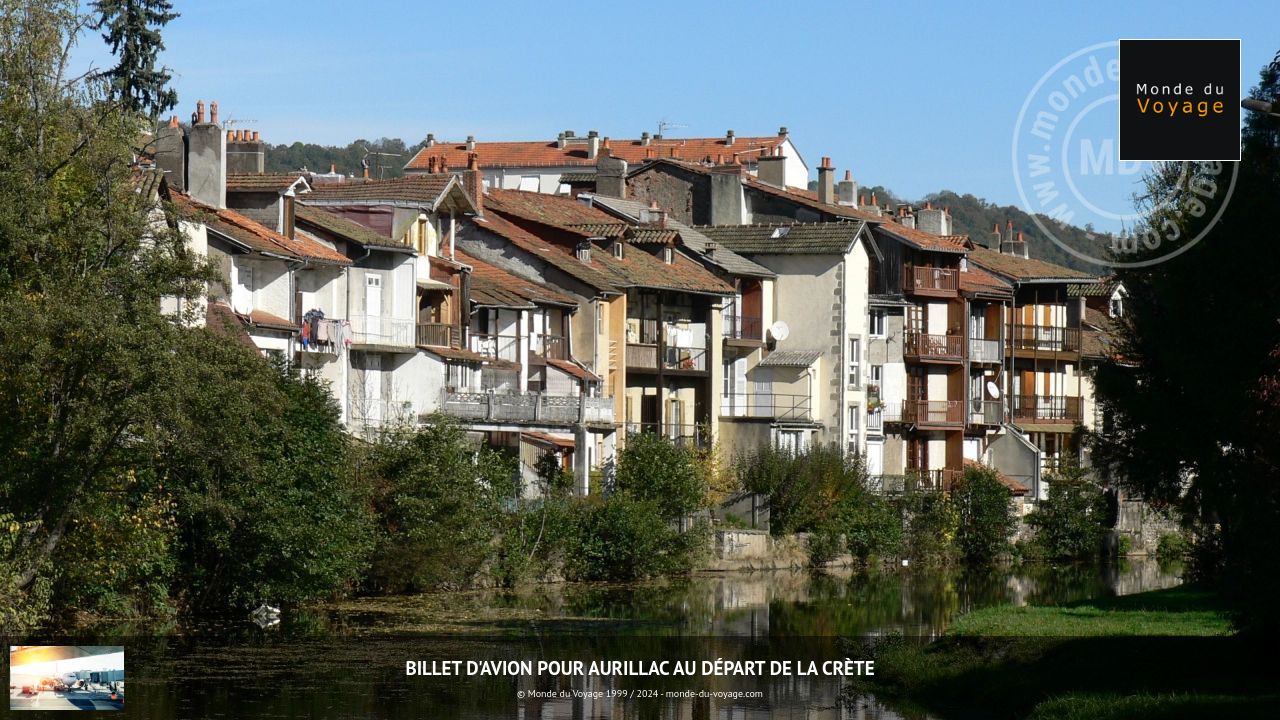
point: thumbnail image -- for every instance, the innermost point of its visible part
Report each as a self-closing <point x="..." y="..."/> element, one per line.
<point x="66" y="677"/>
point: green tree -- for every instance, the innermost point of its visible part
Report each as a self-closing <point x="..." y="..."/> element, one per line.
<point x="986" y="519"/>
<point x="439" y="503"/>
<point x="1198" y="340"/>
<point x="133" y="33"/>
<point x="1070" y="523"/>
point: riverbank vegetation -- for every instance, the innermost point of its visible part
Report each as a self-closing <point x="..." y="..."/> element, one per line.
<point x="1167" y="654"/>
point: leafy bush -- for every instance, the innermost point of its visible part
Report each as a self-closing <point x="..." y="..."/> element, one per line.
<point x="875" y="528"/>
<point x="1070" y="523"/>
<point x="985" y="519"/>
<point x="626" y="538"/>
<point x="931" y="527"/>
<point x="439" y="505"/>
<point x="810" y="491"/>
<point x="1172" y="547"/>
<point x="653" y="469"/>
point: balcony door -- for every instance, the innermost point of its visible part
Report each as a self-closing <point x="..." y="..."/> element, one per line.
<point x="373" y="304"/>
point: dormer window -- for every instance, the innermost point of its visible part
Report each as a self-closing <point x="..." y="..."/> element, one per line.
<point x="668" y="255"/>
<point x="584" y="252"/>
<point x="617" y="250"/>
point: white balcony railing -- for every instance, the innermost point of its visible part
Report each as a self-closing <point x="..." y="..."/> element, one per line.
<point x="378" y="330"/>
<point x="371" y="414"/>
<point x="984" y="351"/>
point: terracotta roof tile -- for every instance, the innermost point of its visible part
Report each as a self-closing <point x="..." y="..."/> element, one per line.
<point x="493" y="286"/>
<point x="977" y="280"/>
<point x="222" y="320"/>
<point x="268" y="320"/>
<point x="255" y="236"/>
<point x="342" y="227"/>
<point x="548" y="154"/>
<point x="923" y="240"/>
<point x="786" y="239"/>
<point x="573" y="369"/>
<point x="262" y="182"/>
<point x="557" y="211"/>
<point x="1020" y="268"/>
<point x="1014" y="486"/>
<point x="551" y="253"/>
<point x="412" y="189"/>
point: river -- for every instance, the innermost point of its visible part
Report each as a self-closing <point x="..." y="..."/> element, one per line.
<point x="349" y="660"/>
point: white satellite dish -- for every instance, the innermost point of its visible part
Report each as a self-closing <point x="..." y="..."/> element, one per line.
<point x="993" y="390"/>
<point x="779" y="331"/>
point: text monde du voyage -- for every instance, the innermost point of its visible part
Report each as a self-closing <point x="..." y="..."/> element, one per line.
<point x="1180" y="99"/>
<point x="638" y="668"/>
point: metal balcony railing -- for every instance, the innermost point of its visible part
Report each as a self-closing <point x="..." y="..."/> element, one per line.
<point x="778" y="406"/>
<point x="986" y="412"/>
<point x="684" y="435"/>
<point x="378" y="330"/>
<point x="498" y="347"/>
<point x="984" y="351"/>
<point x="530" y="408"/>
<point x="744" y="327"/>
<point x="1045" y="408"/>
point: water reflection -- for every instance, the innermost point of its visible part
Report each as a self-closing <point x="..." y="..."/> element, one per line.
<point x="351" y="665"/>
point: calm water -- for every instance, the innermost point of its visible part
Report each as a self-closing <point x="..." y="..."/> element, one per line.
<point x="349" y="663"/>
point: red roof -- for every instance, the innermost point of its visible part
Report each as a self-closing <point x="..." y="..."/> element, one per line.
<point x="268" y="320"/>
<point x="924" y="240"/>
<point x="977" y="280"/>
<point x="573" y="369"/>
<point x="548" y="154"/>
<point x="1014" y="486"/>
<point x="494" y="286"/>
<point x="255" y="236"/>
<point x="556" y="210"/>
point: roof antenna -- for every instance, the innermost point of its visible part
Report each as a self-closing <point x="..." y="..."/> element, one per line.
<point x="664" y="125"/>
<point x="364" y="161"/>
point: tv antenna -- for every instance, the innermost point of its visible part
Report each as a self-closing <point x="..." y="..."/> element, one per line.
<point x="664" y="125"/>
<point x="364" y="161"/>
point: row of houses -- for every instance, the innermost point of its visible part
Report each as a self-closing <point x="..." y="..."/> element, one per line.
<point x="559" y="296"/>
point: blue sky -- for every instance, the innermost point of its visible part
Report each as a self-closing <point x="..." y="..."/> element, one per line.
<point x="914" y="96"/>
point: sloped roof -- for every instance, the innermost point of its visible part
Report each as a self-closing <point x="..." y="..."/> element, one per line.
<point x="1103" y="288"/>
<point x="553" y="254"/>
<point x="222" y="320"/>
<point x="925" y="241"/>
<point x="811" y="201"/>
<point x="635" y="269"/>
<point x="255" y="236"/>
<point x="1097" y="339"/>
<point x="832" y="238"/>
<point x="1014" y="486"/>
<point x="346" y="229"/>
<point x="1020" y="268"/>
<point x="791" y="358"/>
<point x="262" y="182"/>
<point x="977" y="280"/>
<point x="495" y="287"/>
<point x="556" y="211"/>
<point x="690" y="237"/>
<point x="548" y="154"/>
<point x="573" y="369"/>
<point x="425" y="189"/>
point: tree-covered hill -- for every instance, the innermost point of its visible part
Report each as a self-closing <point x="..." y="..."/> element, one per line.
<point x="386" y="157"/>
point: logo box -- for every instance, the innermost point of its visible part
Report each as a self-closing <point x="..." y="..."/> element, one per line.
<point x="1180" y="100"/>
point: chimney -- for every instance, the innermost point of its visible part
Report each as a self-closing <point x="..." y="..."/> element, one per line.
<point x="847" y="190"/>
<point x="726" y="198"/>
<point x="728" y="139"/>
<point x="431" y="140"/>
<point x="473" y="182"/>
<point x="772" y="168"/>
<point x="213" y="112"/>
<point x="611" y="175"/>
<point x="645" y="140"/>
<point x="471" y="143"/>
<point x="171" y="154"/>
<point x="561" y="140"/>
<point x="826" y="181"/>
<point x="593" y="144"/>
<point x="246" y="153"/>
<point x="933" y="221"/>
<point x="207" y="161"/>
<point x="1013" y="243"/>
<point x="782" y="131"/>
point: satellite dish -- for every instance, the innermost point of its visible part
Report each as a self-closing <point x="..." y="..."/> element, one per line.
<point x="779" y="331"/>
<point x="993" y="390"/>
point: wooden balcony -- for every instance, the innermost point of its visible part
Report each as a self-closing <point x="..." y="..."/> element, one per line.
<point x="931" y="281"/>
<point x="939" y="414"/>
<point x="1043" y="341"/>
<point x="643" y="357"/>
<point x="547" y="347"/>
<point x="934" y="348"/>
<point x="1054" y="409"/>
<point x="437" y="335"/>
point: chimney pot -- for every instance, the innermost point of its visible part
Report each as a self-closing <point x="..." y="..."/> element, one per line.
<point x="255" y="136"/>
<point x="848" y="175"/>
<point x="782" y="131"/>
<point x="728" y="138"/>
<point x="593" y="133"/>
<point x="231" y="135"/>
<point x="200" y="111"/>
<point x="431" y="140"/>
<point x="333" y="168"/>
<point x="213" y="112"/>
<point x="173" y="121"/>
<point x="471" y="143"/>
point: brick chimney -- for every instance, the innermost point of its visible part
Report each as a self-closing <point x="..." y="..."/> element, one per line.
<point x="826" y="181"/>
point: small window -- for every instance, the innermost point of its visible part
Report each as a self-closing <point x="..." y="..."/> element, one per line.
<point x="855" y="420"/>
<point x="877" y="374"/>
<point x="617" y="250"/>
<point x="875" y="323"/>
<point x="855" y="362"/>
<point x="529" y="183"/>
<point x="668" y="255"/>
